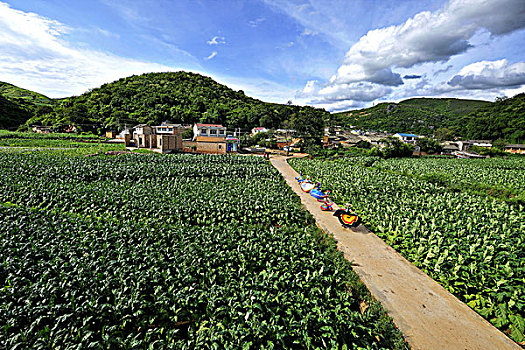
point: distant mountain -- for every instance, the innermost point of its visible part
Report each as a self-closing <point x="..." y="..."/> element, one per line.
<point x="416" y="115"/>
<point x="180" y="97"/>
<point x="17" y="105"/>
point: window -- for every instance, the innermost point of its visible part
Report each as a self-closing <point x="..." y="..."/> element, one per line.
<point x="220" y="146"/>
<point x="203" y="132"/>
<point x="221" y="132"/>
<point x="213" y="132"/>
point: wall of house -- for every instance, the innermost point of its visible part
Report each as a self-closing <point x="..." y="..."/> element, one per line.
<point x="211" y="147"/>
<point x="210" y="139"/>
<point x="189" y="146"/>
<point x="145" y="141"/>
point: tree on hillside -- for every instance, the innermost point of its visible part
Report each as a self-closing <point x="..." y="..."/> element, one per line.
<point x="308" y="124"/>
<point x="444" y="134"/>
<point x="429" y="146"/>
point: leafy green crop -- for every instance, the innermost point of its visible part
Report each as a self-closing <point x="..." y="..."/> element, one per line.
<point x="472" y="245"/>
<point x="179" y="251"/>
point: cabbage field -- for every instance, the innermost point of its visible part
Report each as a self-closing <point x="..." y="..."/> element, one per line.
<point x="178" y="251"/>
<point x="471" y="243"/>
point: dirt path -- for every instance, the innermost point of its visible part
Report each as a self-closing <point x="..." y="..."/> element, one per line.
<point x="428" y="315"/>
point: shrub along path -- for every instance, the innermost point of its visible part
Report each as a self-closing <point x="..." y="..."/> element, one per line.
<point x="427" y="314"/>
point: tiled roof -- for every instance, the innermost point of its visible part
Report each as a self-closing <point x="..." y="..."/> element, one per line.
<point x="210" y="125"/>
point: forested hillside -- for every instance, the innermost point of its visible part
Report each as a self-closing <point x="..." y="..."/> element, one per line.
<point x="17" y="105"/>
<point x="11" y="114"/>
<point x="503" y="119"/>
<point x="179" y="97"/>
<point x="416" y="115"/>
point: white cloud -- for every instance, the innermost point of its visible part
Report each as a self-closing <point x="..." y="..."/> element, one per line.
<point x="256" y="22"/>
<point x="309" y="32"/>
<point x="213" y="54"/>
<point x="34" y="55"/>
<point x="216" y="40"/>
<point x="489" y="75"/>
<point x="426" y="37"/>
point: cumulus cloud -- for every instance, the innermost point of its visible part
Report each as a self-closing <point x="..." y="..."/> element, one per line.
<point x="34" y="55"/>
<point x="361" y="91"/>
<point x="489" y="75"/>
<point x="426" y="37"/>
<point x="216" y="40"/>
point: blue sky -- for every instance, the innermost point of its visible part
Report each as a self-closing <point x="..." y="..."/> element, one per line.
<point x="334" y="54"/>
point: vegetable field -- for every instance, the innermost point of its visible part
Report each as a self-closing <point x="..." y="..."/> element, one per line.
<point x="473" y="245"/>
<point x="180" y="251"/>
<point x="72" y="144"/>
<point x="495" y="175"/>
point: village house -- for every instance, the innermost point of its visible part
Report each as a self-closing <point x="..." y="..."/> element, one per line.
<point x="211" y="139"/>
<point x="163" y="138"/>
<point x="407" y="138"/>
<point x="40" y="129"/>
<point x="449" y="148"/>
<point x="375" y="138"/>
<point x="257" y="130"/>
<point x="481" y="143"/>
<point x="515" y="148"/>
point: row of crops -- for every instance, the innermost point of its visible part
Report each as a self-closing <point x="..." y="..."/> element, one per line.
<point x="72" y="144"/>
<point x="179" y="251"/>
<point x="494" y="174"/>
<point x="473" y="245"/>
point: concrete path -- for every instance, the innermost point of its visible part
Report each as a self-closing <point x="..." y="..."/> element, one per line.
<point x="427" y="314"/>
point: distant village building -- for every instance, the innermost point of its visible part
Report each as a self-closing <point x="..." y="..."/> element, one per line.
<point x="407" y="138"/>
<point x="515" y="148"/>
<point x="257" y="130"/>
<point x="481" y="143"/>
<point x="449" y="148"/>
<point x="375" y="138"/>
<point x="40" y="129"/>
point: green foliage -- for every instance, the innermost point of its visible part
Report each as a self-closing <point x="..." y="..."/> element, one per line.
<point x="180" y="97"/>
<point x="444" y="134"/>
<point x="503" y="119"/>
<point x="429" y="145"/>
<point x="485" y="151"/>
<point x="59" y="142"/>
<point x="393" y="148"/>
<point x="445" y="118"/>
<point x="473" y="245"/>
<point x="187" y="133"/>
<point x="178" y="251"/>
<point x="418" y="115"/>
<point x="18" y="105"/>
<point x="309" y="126"/>
<point x="12" y="114"/>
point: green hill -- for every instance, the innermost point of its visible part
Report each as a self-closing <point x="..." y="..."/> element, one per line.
<point x="180" y="97"/>
<point x="503" y="119"/>
<point x="416" y="115"/>
<point x="18" y="105"/>
<point x="12" y="114"/>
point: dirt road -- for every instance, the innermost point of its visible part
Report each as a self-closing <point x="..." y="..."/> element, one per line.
<point x="428" y="315"/>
